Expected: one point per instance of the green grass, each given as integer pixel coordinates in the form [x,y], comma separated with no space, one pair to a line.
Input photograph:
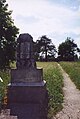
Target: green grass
[6,78]
[13,65]
[73,69]
[54,79]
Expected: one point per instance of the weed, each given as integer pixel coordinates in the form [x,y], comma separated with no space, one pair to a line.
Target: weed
[5,80]
[54,79]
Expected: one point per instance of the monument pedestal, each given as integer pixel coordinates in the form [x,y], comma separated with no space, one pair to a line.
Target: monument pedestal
[28,100]
[27,93]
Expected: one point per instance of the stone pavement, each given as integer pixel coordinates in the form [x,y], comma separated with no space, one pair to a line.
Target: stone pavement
[5,114]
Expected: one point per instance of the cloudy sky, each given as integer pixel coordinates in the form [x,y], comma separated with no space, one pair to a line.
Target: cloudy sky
[57,19]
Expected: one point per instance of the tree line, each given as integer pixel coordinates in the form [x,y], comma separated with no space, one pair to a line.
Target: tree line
[45,50]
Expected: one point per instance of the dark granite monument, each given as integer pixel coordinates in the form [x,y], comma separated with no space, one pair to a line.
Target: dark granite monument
[25,52]
[27,94]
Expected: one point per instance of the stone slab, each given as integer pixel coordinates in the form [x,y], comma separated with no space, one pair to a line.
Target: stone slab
[28,75]
[8,117]
[28,111]
[28,102]
[42,83]
[27,94]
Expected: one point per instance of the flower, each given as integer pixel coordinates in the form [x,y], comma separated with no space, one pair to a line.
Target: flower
[1,79]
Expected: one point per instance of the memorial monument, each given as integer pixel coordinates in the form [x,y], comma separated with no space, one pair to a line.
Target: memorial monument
[27,94]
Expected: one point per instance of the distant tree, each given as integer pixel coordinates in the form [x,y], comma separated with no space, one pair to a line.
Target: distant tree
[78,50]
[45,48]
[67,51]
[8,33]
[79,58]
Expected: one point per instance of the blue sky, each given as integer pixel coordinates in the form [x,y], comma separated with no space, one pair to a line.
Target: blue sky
[57,19]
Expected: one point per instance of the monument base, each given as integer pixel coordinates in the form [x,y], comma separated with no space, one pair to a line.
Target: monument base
[28,100]
[27,111]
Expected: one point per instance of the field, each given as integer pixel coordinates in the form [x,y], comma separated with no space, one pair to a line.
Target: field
[54,79]
[73,69]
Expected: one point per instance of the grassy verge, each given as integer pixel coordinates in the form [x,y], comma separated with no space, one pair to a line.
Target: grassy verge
[5,80]
[52,75]
[73,69]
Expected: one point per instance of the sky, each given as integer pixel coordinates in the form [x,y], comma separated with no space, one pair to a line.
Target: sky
[57,19]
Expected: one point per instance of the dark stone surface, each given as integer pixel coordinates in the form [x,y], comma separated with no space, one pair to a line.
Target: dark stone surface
[27,111]
[28,102]
[28,75]
[25,52]
[27,94]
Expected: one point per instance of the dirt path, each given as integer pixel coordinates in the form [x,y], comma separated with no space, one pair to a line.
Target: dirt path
[71,105]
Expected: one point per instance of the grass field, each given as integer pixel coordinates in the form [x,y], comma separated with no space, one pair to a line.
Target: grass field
[52,75]
[73,69]
[6,78]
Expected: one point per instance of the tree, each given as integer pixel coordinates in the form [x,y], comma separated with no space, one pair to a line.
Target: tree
[78,50]
[67,51]
[8,33]
[45,48]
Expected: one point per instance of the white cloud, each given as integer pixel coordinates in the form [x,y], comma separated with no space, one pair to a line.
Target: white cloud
[50,18]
